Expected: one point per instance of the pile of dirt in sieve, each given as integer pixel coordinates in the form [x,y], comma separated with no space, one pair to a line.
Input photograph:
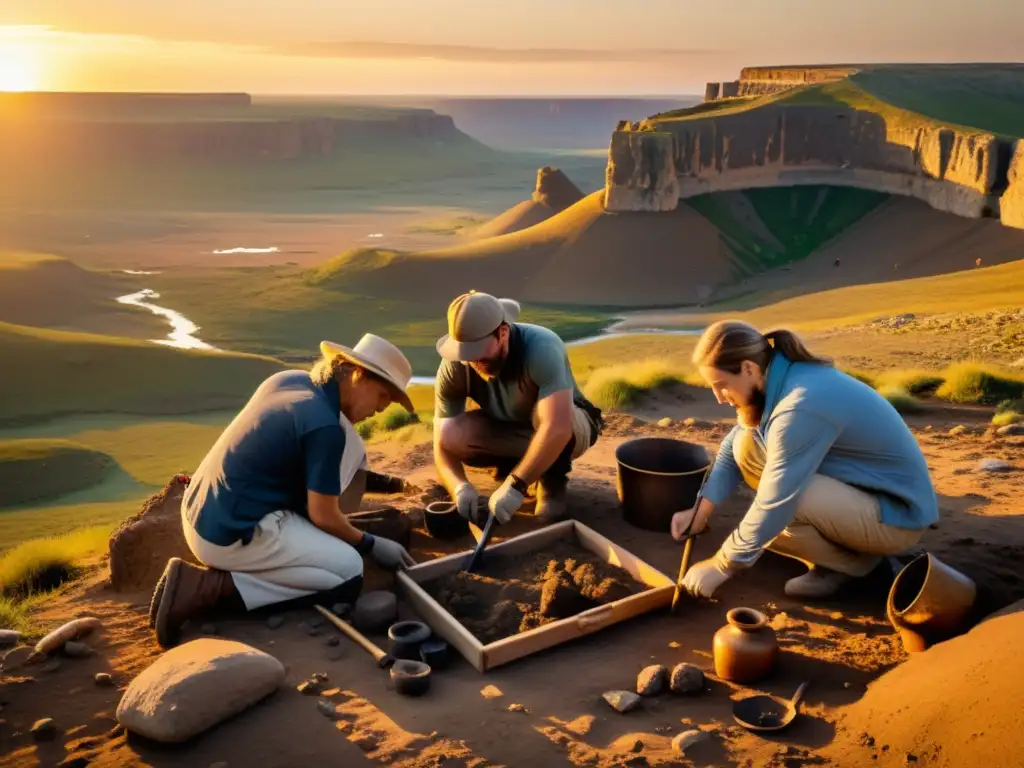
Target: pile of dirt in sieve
[509,595]
[956,704]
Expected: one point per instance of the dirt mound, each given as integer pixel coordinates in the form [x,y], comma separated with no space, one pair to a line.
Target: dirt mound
[553,194]
[956,704]
[142,544]
[555,190]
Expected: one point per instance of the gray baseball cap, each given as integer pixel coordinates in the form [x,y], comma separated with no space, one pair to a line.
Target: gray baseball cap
[472,318]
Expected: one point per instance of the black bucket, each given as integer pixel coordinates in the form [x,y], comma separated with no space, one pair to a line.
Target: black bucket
[657,477]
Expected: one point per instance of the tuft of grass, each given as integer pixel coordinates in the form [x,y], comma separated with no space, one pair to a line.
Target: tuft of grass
[391,420]
[900,399]
[40,565]
[914,381]
[14,615]
[620,386]
[1005,418]
[981,384]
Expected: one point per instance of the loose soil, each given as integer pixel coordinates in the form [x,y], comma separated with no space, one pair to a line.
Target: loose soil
[509,595]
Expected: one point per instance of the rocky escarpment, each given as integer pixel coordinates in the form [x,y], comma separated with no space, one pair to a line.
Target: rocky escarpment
[655,163]
[758,81]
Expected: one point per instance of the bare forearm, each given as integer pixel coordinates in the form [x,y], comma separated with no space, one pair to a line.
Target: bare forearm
[352,496]
[338,526]
[546,446]
[449,468]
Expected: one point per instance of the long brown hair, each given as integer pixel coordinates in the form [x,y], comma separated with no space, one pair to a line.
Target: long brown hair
[726,344]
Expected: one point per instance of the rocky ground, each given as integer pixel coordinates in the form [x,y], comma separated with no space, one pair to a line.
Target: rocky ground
[548,708]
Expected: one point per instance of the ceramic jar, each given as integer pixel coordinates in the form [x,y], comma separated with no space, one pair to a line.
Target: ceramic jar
[746,648]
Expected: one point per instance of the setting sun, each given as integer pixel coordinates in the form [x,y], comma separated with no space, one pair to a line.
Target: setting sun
[19,67]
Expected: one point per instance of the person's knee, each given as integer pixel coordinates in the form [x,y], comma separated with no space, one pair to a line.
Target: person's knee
[454,434]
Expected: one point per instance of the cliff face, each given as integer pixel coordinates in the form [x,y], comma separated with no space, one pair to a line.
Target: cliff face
[959,172]
[61,141]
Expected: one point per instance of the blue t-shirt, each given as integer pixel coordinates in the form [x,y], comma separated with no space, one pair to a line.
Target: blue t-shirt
[286,440]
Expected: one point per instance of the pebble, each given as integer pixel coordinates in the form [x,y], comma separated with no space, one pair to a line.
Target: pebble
[687,678]
[44,729]
[77,650]
[1011,430]
[518,708]
[333,641]
[327,709]
[208,629]
[16,657]
[308,688]
[994,465]
[687,739]
[651,680]
[9,638]
[621,701]
[275,621]
[665,422]
[103,678]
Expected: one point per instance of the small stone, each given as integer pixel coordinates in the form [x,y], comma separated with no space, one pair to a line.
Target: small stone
[327,709]
[621,701]
[1011,430]
[9,638]
[275,621]
[44,729]
[651,680]
[687,739]
[665,422]
[518,708]
[333,641]
[320,677]
[342,610]
[994,465]
[208,629]
[638,746]
[77,650]
[686,679]
[104,679]
[308,688]
[17,657]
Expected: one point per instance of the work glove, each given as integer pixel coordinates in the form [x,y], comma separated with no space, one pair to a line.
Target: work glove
[705,577]
[505,501]
[390,554]
[467,499]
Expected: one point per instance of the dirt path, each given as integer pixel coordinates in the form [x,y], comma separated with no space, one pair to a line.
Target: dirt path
[840,645]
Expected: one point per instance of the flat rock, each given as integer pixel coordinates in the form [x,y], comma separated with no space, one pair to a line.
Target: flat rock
[994,465]
[73,630]
[651,680]
[686,679]
[196,685]
[44,729]
[687,739]
[621,701]
[1011,430]
[77,650]
[17,657]
[9,638]
[375,611]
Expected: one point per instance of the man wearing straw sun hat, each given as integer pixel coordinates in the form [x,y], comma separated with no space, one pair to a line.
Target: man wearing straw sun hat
[265,511]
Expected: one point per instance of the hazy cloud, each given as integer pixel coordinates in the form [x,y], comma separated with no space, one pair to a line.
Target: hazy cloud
[382,50]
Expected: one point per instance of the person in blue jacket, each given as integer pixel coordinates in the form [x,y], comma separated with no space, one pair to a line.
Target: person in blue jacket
[840,480]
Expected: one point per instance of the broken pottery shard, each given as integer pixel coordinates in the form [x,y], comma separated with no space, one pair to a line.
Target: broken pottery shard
[195,686]
[687,678]
[687,739]
[621,701]
[651,680]
[73,630]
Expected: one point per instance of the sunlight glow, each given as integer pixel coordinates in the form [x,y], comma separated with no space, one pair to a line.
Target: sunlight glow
[19,67]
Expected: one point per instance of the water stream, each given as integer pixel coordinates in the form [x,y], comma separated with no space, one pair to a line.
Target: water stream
[183,330]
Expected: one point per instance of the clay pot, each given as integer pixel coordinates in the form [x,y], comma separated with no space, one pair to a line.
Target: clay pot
[406,638]
[443,521]
[746,648]
[929,602]
[410,678]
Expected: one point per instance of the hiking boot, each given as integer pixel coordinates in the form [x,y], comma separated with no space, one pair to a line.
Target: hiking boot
[816,584]
[552,499]
[185,591]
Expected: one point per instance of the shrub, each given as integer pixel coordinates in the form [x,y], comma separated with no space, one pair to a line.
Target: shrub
[900,399]
[620,386]
[397,417]
[974,383]
[914,381]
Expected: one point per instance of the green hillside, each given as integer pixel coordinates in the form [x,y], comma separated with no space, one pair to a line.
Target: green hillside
[40,470]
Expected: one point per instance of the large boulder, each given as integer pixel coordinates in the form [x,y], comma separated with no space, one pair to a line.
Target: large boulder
[194,686]
[142,544]
[555,190]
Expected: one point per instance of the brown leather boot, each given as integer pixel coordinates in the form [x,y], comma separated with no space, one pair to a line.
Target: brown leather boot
[552,499]
[185,591]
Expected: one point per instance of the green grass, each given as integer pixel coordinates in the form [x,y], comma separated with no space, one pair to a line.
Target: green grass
[900,399]
[913,381]
[981,384]
[44,469]
[43,563]
[621,386]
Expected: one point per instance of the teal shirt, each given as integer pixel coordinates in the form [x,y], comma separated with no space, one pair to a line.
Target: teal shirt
[537,366]
[819,420]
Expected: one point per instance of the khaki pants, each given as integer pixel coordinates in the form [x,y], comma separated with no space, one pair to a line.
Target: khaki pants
[288,558]
[477,440]
[836,526]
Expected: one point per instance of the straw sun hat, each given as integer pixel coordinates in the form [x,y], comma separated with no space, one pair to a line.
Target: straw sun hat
[381,358]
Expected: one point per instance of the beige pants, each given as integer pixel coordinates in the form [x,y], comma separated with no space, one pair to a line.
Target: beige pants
[836,526]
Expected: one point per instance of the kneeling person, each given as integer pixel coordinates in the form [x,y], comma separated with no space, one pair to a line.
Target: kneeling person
[532,421]
[265,510]
[840,480]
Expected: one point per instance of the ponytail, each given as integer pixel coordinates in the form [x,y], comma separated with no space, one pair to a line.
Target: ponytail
[790,345]
[726,344]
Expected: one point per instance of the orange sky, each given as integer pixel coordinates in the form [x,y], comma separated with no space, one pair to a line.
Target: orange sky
[473,46]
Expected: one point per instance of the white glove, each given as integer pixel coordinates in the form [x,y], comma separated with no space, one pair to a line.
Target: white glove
[390,554]
[708,575]
[505,501]
[466,499]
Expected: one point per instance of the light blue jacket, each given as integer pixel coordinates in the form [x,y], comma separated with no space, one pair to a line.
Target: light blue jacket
[818,420]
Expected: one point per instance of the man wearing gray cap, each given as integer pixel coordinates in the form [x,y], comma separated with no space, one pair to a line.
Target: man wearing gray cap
[532,421]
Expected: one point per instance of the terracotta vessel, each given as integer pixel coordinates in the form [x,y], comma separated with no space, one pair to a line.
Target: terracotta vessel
[746,648]
[929,602]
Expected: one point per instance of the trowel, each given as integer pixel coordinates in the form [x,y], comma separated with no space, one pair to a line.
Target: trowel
[684,566]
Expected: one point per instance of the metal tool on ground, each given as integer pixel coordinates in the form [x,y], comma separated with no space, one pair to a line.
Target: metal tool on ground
[474,559]
[767,713]
[684,565]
